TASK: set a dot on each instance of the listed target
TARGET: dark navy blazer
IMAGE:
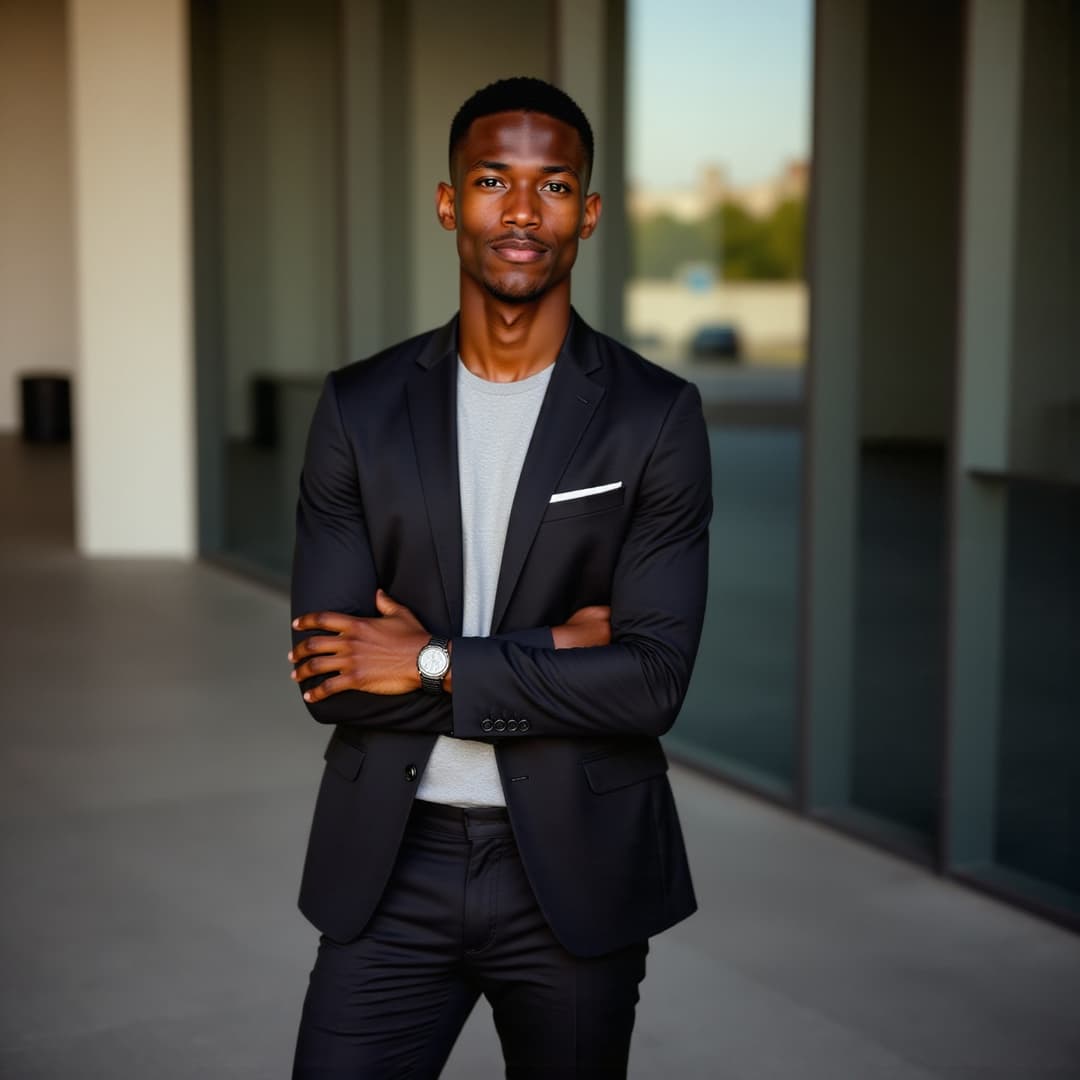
(575, 731)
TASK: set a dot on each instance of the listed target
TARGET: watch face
(433, 661)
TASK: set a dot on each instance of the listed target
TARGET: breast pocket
(578, 505)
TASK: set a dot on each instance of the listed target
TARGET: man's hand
(588, 626)
(377, 655)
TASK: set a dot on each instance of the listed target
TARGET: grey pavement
(157, 773)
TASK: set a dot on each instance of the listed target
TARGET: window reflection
(718, 169)
(718, 165)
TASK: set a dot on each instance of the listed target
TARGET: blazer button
(523, 725)
(511, 725)
(500, 725)
(411, 773)
(486, 724)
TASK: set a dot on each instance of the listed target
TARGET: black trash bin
(264, 410)
(46, 408)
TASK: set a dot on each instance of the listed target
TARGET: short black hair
(522, 94)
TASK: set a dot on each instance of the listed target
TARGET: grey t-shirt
(495, 422)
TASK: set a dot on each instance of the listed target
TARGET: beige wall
(134, 464)
(37, 315)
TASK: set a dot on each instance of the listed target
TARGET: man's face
(518, 203)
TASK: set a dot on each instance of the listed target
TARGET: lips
(519, 251)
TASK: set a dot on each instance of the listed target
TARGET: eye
(488, 182)
(558, 187)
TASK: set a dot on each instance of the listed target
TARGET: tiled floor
(156, 783)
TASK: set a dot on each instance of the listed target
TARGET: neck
(504, 342)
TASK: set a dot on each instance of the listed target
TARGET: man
(498, 590)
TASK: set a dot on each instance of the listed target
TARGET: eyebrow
(502, 166)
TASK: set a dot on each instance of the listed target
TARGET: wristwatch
(433, 662)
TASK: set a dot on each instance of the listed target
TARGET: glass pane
(907, 342)
(718, 134)
(900, 636)
(1038, 803)
(740, 710)
(280, 291)
(1037, 826)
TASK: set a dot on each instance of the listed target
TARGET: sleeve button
(500, 725)
(486, 724)
(411, 773)
(511, 725)
(523, 725)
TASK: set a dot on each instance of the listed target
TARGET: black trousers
(458, 919)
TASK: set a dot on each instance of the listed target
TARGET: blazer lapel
(432, 397)
(568, 406)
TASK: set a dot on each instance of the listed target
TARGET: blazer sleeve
(333, 570)
(635, 685)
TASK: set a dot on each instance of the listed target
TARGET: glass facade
(271, 168)
(886, 356)
(905, 374)
(716, 208)
(740, 713)
(1037, 824)
(899, 653)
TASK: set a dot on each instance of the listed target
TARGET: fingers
(317, 665)
(327, 688)
(376, 654)
(389, 607)
(592, 613)
(323, 620)
(314, 645)
(588, 626)
(385, 604)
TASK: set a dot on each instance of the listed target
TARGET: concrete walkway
(156, 781)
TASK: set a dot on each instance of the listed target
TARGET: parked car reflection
(719, 341)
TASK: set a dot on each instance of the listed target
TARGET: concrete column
(376, 210)
(908, 333)
(134, 415)
(1044, 386)
(835, 272)
(991, 169)
(1018, 413)
(589, 64)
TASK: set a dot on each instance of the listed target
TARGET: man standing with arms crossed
(498, 589)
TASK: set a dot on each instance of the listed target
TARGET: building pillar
(589, 64)
(991, 170)
(377, 218)
(831, 447)
(134, 390)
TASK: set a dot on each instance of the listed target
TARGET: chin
(515, 292)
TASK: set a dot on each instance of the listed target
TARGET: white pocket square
(581, 493)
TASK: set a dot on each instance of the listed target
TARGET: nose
(522, 207)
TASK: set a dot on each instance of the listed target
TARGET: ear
(593, 207)
(444, 206)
